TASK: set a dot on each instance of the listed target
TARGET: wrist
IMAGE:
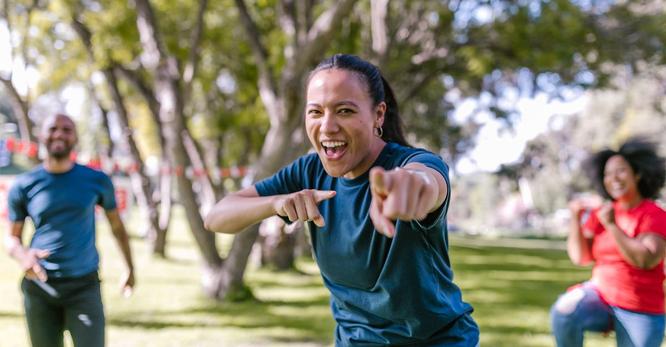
(610, 225)
(15, 250)
(276, 208)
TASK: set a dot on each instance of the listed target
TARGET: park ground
(510, 283)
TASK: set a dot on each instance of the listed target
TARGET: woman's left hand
(606, 215)
(400, 193)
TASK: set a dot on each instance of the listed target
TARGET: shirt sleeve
(107, 197)
(17, 210)
(654, 222)
(436, 163)
(287, 180)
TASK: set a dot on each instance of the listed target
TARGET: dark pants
(73, 304)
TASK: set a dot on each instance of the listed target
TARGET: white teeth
(332, 144)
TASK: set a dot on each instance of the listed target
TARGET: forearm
(13, 241)
(122, 239)
(14, 246)
(634, 250)
(434, 180)
(578, 247)
(234, 213)
(121, 236)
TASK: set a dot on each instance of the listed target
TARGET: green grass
(510, 289)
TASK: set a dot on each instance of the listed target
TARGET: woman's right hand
(576, 206)
(302, 205)
(579, 205)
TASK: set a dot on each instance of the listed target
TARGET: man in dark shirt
(61, 286)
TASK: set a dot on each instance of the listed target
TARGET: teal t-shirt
(62, 208)
(383, 291)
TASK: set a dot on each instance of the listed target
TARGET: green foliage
(474, 200)
(553, 162)
(436, 49)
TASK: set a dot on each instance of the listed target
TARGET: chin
(333, 171)
(59, 155)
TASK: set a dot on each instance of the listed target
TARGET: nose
(329, 123)
(57, 133)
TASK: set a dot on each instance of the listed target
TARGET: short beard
(60, 155)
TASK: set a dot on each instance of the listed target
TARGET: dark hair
(378, 88)
(644, 161)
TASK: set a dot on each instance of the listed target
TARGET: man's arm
(120, 234)
(28, 259)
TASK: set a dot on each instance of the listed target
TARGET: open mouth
(334, 149)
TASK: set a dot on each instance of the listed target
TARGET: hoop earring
(379, 132)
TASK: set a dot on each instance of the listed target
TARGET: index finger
(39, 272)
(321, 195)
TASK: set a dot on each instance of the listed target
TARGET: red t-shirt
(620, 283)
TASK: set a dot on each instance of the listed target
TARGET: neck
(631, 201)
(55, 165)
(373, 154)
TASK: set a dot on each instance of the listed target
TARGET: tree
(20, 103)
(184, 63)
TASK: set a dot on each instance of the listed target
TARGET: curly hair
(644, 161)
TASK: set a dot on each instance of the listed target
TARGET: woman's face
(340, 119)
(620, 181)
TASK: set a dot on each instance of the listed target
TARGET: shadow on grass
(7, 314)
(512, 290)
(301, 320)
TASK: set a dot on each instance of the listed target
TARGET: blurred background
(185, 101)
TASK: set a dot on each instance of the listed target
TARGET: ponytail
(392, 121)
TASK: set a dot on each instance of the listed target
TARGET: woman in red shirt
(625, 239)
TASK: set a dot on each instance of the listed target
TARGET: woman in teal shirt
(376, 211)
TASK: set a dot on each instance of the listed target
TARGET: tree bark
(165, 182)
(20, 108)
(169, 95)
(140, 181)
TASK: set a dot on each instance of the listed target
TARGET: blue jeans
(581, 309)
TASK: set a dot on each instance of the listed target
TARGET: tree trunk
(279, 241)
(20, 108)
(169, 95)
(162, 196)
(140, 182)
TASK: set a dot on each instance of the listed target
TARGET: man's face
(59, 136)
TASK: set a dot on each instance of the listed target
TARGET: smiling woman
(626, 240)
(376, 211)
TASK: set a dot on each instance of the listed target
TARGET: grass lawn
(511, 290)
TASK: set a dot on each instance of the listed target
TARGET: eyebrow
(339, 103)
